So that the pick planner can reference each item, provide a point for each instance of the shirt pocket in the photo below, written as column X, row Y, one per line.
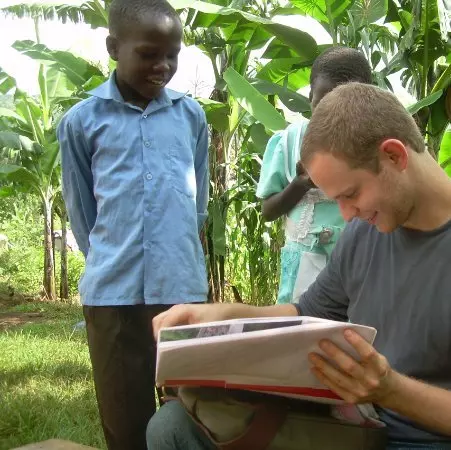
column 181, row 170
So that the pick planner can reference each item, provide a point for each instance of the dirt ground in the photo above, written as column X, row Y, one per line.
column 9, row 319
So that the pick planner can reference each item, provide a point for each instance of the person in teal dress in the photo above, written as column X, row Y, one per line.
column 312, row 222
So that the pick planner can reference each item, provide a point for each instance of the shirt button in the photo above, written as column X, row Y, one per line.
column 145, row 116
column 147, row 143
column 149, row 176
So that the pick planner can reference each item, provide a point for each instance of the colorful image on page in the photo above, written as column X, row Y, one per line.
column 174, row 334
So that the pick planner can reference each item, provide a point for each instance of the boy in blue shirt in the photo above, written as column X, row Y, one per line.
column 135, row 182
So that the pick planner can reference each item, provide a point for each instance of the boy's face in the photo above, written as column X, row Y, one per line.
column 147, row 56
column 320, row 88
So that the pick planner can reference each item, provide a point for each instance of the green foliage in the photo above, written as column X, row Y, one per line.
column 76, row 267
column 243, row 111
column 46, row 384
column 22, row 263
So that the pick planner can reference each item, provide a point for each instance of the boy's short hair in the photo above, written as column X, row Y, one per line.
column 125, row 13
column 353, row 120
column 341, row 65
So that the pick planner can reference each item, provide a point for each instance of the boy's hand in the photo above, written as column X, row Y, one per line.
column 370, row 380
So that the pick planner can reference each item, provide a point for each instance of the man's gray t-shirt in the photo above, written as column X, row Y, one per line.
column 399, row 283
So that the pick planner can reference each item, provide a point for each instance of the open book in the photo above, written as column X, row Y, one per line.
column 266, row 355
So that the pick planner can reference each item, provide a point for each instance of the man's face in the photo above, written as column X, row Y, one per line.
column 147, row 56
column 384, row 199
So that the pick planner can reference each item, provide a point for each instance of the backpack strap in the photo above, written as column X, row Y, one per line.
column 265, row 424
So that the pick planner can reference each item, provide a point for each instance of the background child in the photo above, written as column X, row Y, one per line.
column 313, row 222
column 135, row 181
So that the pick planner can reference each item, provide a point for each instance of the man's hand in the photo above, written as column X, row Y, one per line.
column 192, row 314
column 188, row 315
column 371, row 380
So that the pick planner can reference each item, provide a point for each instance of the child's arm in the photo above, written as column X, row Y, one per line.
column 278, row 194
column 202, row 172
column 77, row 179
column 282, row 203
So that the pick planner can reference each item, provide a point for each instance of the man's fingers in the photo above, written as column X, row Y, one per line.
column 334, row 387
column 364, row 349
column 376, row 363
column 340, row 379
column 348, row 364
column 177, row 315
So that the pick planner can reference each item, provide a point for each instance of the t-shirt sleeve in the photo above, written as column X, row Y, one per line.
column 272, row 175
column 326, row 297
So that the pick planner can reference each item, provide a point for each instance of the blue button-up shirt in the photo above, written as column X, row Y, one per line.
column 136, row 188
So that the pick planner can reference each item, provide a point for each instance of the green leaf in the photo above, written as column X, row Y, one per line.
column 281, row 70
column 439, row 119
column 291, row 99
column 6, row 112
column 366, row 12
column 211, row 15
column 32, row 113
column 318, row 8
column 252, row 101
column 75, row 68
column 217, row 113
column 7, row 191
column 429, row 100
column 219, row 229
column 259, row 137
column 7, row 82
column 19, row 174
column 90, row 12
column 58, row 85
column 50, row 159
column 444, row 81
column 392, row 12
column 15, row 141
column 93, row 82
column 444, row 155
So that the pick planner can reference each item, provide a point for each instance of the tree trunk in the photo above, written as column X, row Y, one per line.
column 64, row 289
column 52, row 234
column 49, row 275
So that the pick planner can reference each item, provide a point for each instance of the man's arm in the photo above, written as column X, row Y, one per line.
column 373, row 380
column 202, row 172
column 283, row 202
column 77, row 178
column 427, row 405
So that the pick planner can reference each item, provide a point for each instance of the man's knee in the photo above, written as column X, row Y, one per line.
column 171, row 428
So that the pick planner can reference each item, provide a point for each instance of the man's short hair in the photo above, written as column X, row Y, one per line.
column 353, row 120
column 341, row 65
column 126, row 13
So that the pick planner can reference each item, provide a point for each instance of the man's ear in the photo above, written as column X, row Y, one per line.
column 112, row 47
column 394, row 153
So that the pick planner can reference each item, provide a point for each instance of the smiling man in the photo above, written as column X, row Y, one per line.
column 389, row 270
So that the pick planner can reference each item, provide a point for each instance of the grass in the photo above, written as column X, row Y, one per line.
column 45, row 380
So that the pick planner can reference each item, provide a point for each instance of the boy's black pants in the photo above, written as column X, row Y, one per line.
column 123, row 356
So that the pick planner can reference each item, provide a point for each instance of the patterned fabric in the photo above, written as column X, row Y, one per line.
column 312, row 227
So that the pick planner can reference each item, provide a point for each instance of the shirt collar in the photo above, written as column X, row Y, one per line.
column 110, row 91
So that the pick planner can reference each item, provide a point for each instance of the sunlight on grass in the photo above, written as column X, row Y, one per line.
column 45, row 380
